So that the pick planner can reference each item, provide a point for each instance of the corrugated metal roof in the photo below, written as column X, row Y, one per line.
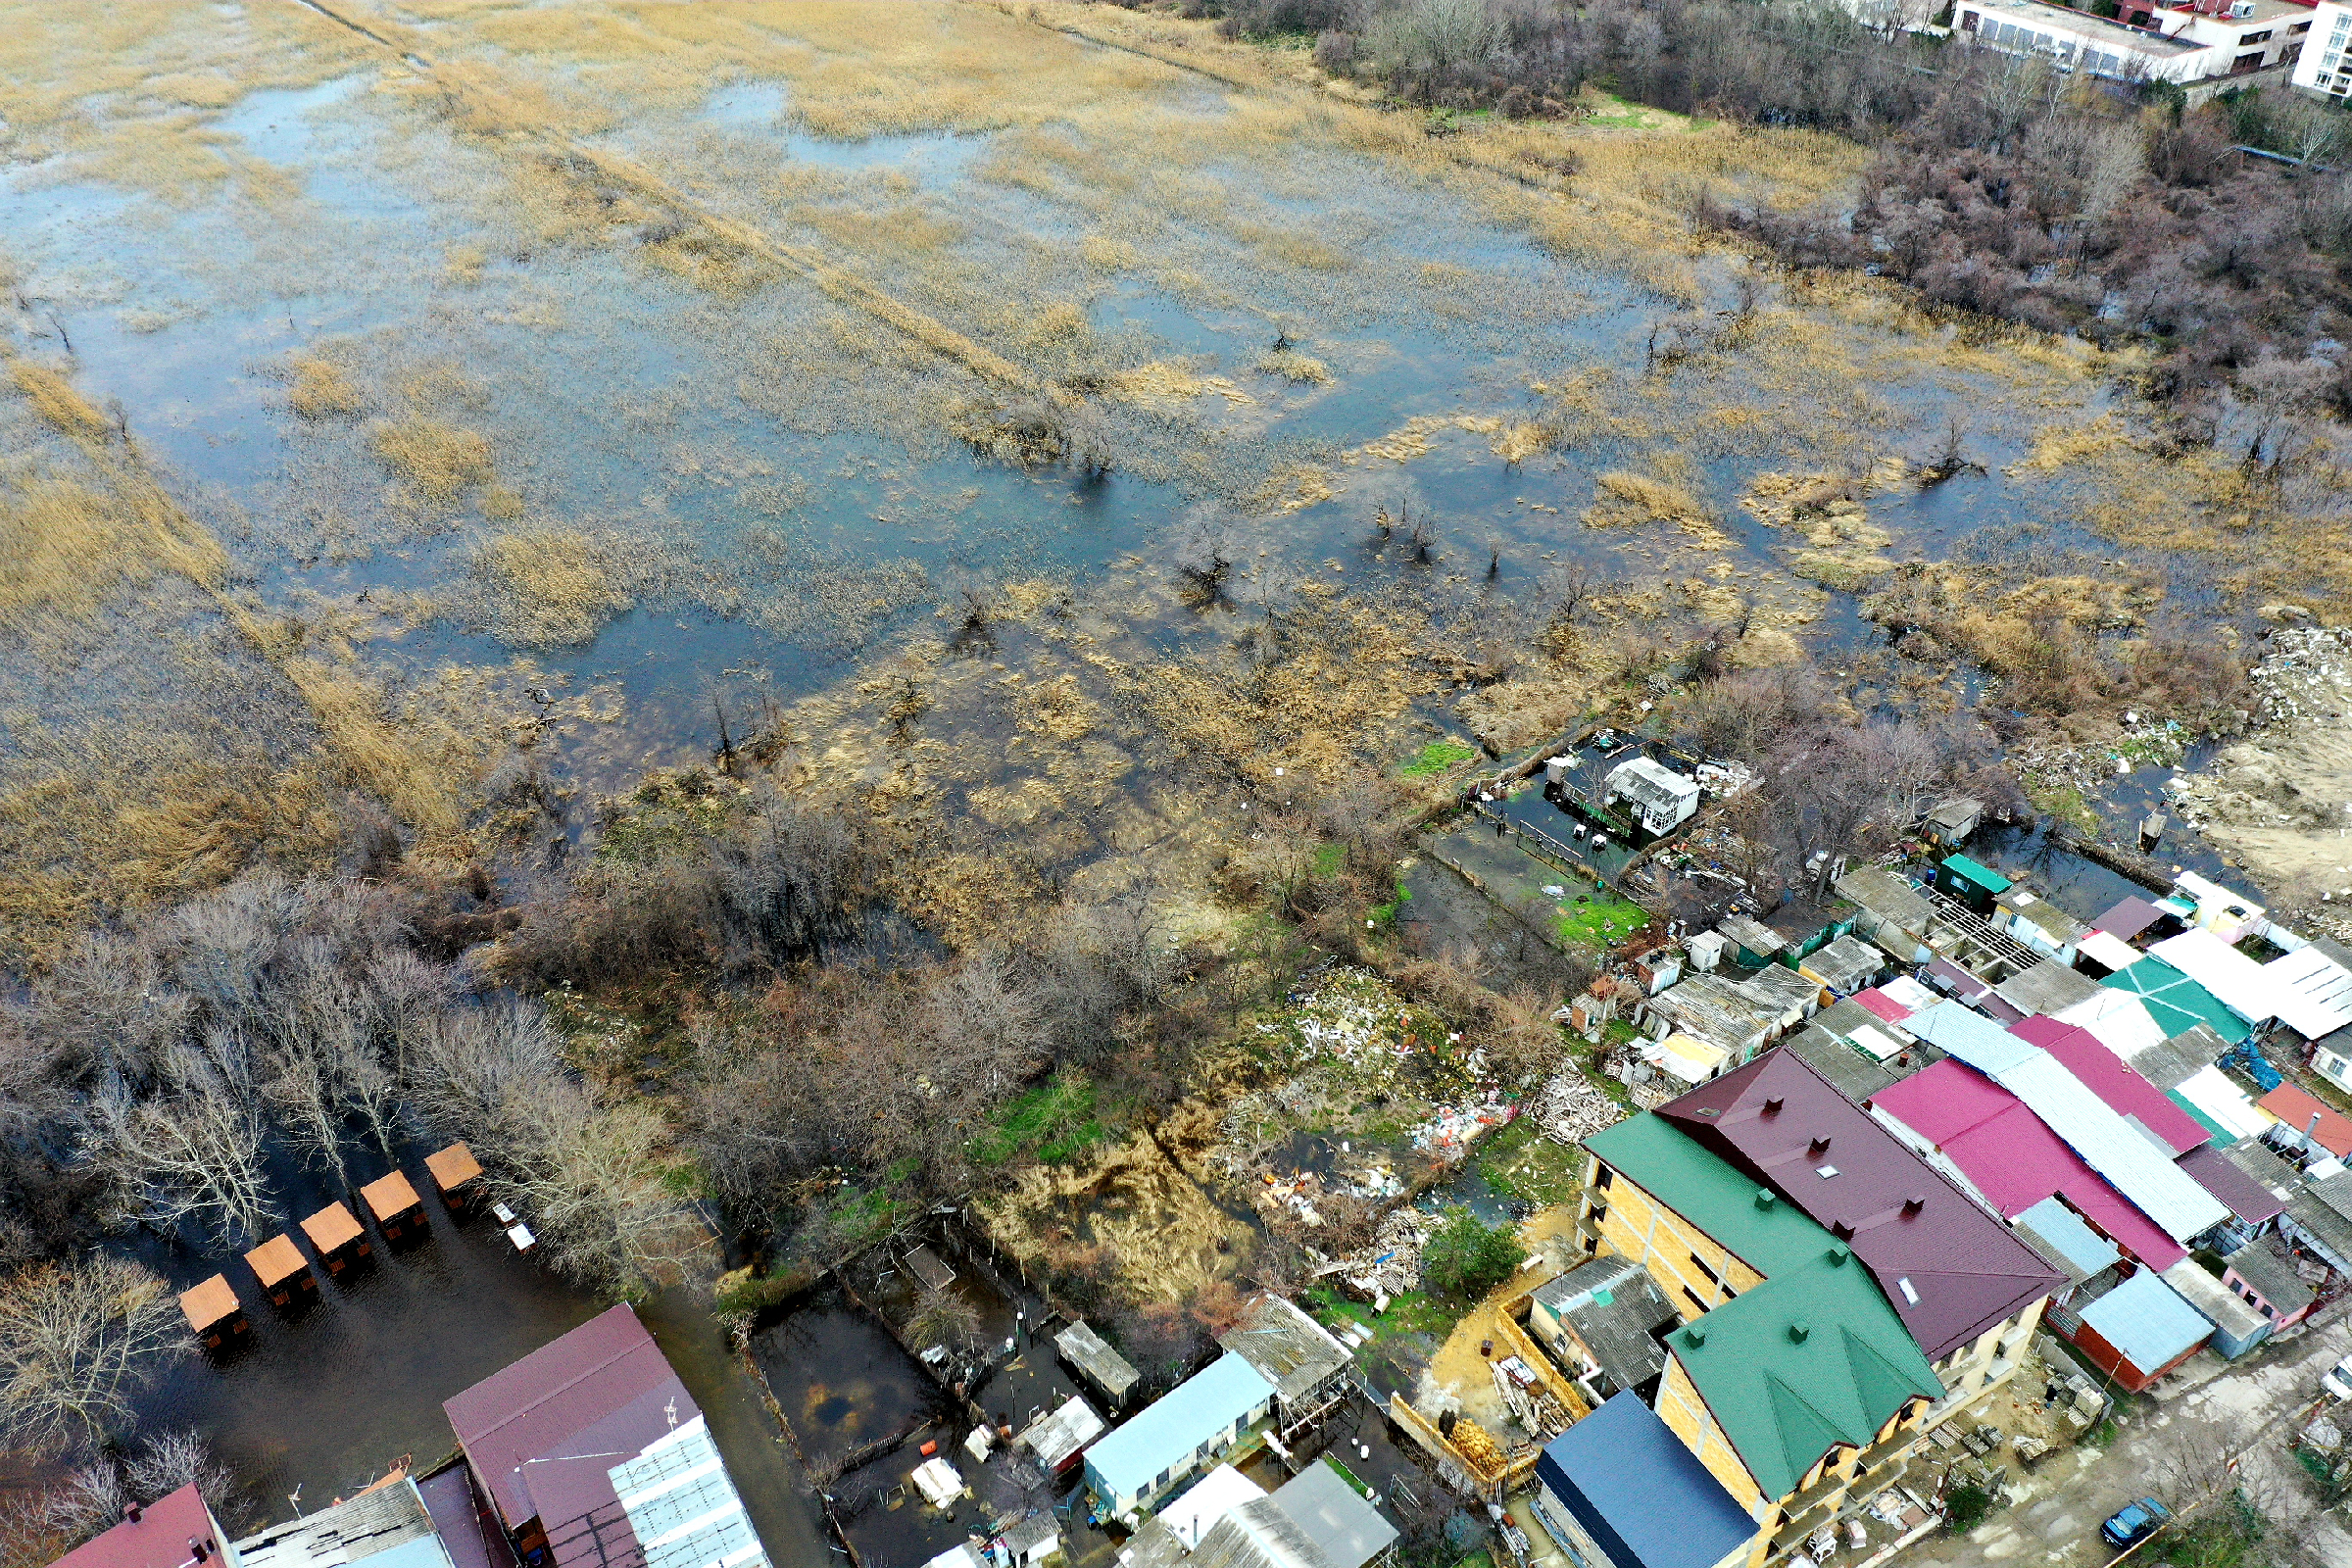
column 1752, row 934
column 1853, row 1073
column 602, row 1389
column 158, row 1539
column 1290, row 1349
column 1347, row 1530
column 2147, row 1321
column 1257, row 1535
column 1205, row 1502
column 2010, row 1156
column 1642, row 1496
column 1844, row 965
column 1961, row 1031
column 1708, row 1191
column 2243, row 1196
column 2106, row 1143
column 2128, row 918
column 1062, row 1432
column 682, row 1505
column 2174, row 1000
column 1983, row 876
column 1887, row 895
column 1207, row 1403
column 1611, row 1304
column 2110, row 953
column 363, row 1529
column 2116, row 1018
column 1783, row 1123
column 2233, row 978
column 2213, row 1095
column 2115, row 1081
column 2216, row 1303
column 2061, row 1231
column 2313, row 993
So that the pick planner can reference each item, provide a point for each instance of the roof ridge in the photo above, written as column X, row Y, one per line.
column 1786, row 1405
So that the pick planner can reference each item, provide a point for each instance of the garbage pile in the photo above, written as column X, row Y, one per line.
column 1449, row 1132
column 1392, row 1265
column 1569, row 1108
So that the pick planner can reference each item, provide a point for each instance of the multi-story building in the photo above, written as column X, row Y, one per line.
column 2145, row 42
column 1839, row 1298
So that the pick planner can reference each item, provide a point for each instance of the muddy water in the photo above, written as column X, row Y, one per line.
column 318, row 1405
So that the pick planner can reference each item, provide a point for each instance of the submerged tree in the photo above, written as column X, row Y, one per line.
column 77, row 1345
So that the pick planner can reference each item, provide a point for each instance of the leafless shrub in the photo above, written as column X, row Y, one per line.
column 77, row 1345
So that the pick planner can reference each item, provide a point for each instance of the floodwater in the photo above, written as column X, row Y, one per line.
column 317, row 1405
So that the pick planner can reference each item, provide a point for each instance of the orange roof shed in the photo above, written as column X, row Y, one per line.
column 390, row 1198
column 332, row 1228
column 276, row 1260
column 208, row 1303
column 453, row 1167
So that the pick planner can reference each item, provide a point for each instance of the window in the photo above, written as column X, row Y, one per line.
column 1693, row 1299
column 2245, row 38
column 2245, row 63
column 1968, row 22
column 1699, row 1264
column 1601, row 1181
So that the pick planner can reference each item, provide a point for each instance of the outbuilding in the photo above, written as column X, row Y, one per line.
column 1111, row 1374
column 1620, row 1488
column 399, row 1212
column 457, row 1176
column 339, row 1239
column 284, row 1273
column 1176, row 1437
column 2140, row 1330
column 214, row 1313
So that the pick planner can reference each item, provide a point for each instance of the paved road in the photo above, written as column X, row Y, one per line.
column 2056, row 1518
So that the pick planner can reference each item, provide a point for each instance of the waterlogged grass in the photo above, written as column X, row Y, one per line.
column 1519, row 1161
column 1386, row 914
column 1414, row 1313
column 1437, row 756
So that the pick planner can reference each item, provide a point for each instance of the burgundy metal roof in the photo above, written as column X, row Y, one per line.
column 2241, row 1193
column 543, row 1433
column 1783, row 1122
column 158, row 1540
column 2115, row 1081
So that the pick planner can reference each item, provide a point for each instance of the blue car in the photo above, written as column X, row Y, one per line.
column 2134, row 1523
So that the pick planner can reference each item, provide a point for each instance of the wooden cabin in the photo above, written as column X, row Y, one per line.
column 284, row 1273
column 214, row 1312
column 399, row 1212
column 337, row 1237
column 457, row 1176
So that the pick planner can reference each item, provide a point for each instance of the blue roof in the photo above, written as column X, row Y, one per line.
column 1165, row 1431
column 1643, row 1496
column 2147, row 1321
column 2084, row 1249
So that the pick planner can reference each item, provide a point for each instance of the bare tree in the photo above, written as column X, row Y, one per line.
column 941, row 1317
column 299, row 1093
column 77, row 1345
column 171, row 1460
column 600, row 1185
column 188, row 1156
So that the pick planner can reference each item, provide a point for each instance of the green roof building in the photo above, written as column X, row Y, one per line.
column 2176, row 1003
column 1765, row 1233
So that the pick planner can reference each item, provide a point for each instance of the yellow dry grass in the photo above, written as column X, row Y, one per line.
column 547, row 589
column 322, row 389
column 437, row 459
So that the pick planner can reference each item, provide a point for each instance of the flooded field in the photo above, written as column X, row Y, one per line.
column 524, row 408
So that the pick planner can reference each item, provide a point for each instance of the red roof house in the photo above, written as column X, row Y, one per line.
column 1949, row 1270
column 170, row 1532
column 542, row 1437
column 2010, row 1155
column 2294, row 1107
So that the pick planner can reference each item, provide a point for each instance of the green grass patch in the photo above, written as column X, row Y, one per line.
column 1347, row 1475
column 660, row 819
column 1386, row 914
column 1597, row 920
column 1415, row 1313
column 1521, row 1163
column 1057, row 1121
column 1329, row 858
column 2067, row 803
column 1439, row 756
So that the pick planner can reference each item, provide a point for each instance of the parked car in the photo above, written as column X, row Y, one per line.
column 2133, row 1523
column 2337, row 1379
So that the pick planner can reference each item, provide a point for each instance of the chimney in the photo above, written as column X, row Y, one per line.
column 1695, row 1336
column 1914, row 1207
column 1772, row 1105
column 1839, row 1252
column 1764, row 1198
column 1842, row 1228
column 131, row 1512
column 1801, row 1331
column 1819, row 1146
column 197, row 1550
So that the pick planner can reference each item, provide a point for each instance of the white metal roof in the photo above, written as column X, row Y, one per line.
column 2311, row 992
column 2212, row 1093
column 2105, row 946
column 2235, row 980
column 2117, row 1019
column 2090, row 1127
column 1210, row 1498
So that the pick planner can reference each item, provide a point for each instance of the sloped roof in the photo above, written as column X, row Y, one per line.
column 2174, row 1000
column 2116, row 1083
column 601, row 1390
column 159, row 1538
column 1813, row 1356
column 2128, row 918
column 1720, row 1012
column 1779, row 988
column 386, row 1527
column 1208, row 1402
column 1853, row 1073
column 1752, row 934
column 1886, row 894
column 2051, row 986
column 2117, row 1019
column 1257, row 1535
column 1345, row 1528
column 2216, row 1303
column 2233, row 977
column 2147, row 1320
column 2294, row 1107
column 1879, row 1004
column 2310, row 991
column 2105, row 1142
column 1845, row 963
column 2273, row 1278
column 2263, row 1167
column 2213, row 1097
column 1612, row 1303
column 1291, row 1351
column 2111, row 952
column 1086, row 1350
column 1205, row 1503
column 1062, row 1432
column 2061, row 1234
column 1709, row 1191
column 2245, row 1196
column 1983, row 876
column 1641, row 1494
column 2012, row 1158
column 1949, row 1270
column 2170, row 1064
